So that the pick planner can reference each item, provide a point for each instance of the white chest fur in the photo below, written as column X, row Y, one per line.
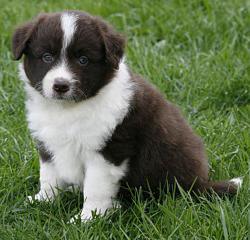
column 74, row 132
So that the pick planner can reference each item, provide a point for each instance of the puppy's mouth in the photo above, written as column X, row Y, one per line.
column 72, row 95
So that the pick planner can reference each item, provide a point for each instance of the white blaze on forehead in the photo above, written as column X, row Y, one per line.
column 68, row 25
column 61, row 70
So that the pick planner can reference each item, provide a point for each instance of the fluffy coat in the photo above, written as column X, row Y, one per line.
column 97, row 125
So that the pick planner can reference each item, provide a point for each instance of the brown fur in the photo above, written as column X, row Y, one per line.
column 161, row 147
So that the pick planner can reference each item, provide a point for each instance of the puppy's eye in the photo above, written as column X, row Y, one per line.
column 47, row 58
column 83, row 60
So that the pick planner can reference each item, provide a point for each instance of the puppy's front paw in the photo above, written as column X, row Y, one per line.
column 75, row 219
column 83, row 217
column 89, row 211
column 40, row 197
column 80, row 217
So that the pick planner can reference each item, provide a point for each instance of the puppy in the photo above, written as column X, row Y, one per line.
column 96, row 124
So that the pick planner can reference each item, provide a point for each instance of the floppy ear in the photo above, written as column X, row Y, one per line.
column 114, row 44
column 20, row 39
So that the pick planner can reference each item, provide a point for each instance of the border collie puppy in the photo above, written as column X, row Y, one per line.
column 96, row 124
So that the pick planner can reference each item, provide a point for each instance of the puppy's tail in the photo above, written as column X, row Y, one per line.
column 222, row 188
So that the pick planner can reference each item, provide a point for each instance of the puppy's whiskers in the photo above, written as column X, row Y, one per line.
column 78, row 94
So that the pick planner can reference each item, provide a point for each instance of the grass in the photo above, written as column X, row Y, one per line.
column 198, row 54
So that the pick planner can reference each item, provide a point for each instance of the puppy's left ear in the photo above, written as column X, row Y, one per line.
column 114, row 44
column 20, row 39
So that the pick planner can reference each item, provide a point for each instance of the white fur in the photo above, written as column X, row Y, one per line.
column 74, row 132
column 59, row 71
column 48, row 183
column 100, row 185
column 68, row 25
column 237, row 181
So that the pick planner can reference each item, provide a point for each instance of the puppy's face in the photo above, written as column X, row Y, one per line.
column 68, row 55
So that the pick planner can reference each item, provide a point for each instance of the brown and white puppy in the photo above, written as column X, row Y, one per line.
column 97, row 125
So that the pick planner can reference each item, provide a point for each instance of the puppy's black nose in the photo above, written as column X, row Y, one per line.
column 61, row 85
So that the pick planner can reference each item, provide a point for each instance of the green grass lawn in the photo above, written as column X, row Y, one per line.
column 198, row 54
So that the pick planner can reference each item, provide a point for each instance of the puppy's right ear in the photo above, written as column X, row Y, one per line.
column 20, row 39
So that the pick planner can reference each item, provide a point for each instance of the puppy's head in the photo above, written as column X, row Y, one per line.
column 69, row 55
